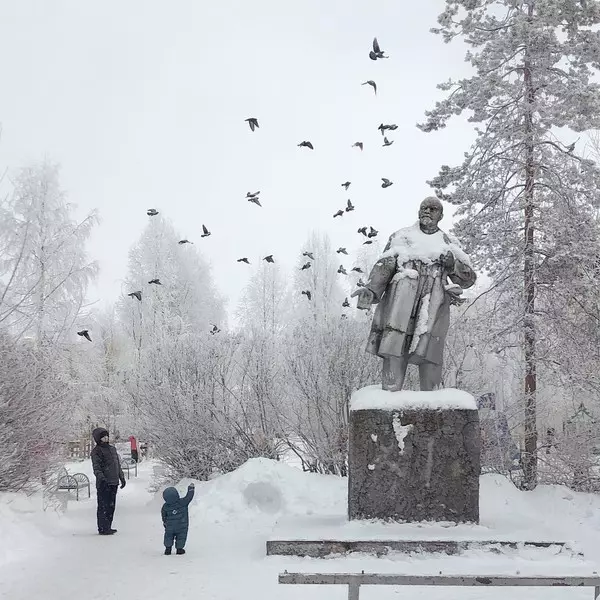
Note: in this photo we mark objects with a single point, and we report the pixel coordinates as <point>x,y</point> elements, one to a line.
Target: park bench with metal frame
<point>68,482</point>
<point>127,464</point>
<point>354,581</point>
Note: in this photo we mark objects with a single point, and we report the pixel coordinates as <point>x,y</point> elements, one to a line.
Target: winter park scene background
<point>191,192</point>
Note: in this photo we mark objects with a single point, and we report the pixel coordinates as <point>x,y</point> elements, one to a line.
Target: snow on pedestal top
<point>373,397</point>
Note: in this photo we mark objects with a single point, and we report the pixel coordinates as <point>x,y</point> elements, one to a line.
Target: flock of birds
<point>254,197</point>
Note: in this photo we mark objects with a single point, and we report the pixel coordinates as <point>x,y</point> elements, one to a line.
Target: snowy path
<point>225,559</point>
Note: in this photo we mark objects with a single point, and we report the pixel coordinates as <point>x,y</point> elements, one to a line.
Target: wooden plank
<point>322,548</point>
<point>435,580</point>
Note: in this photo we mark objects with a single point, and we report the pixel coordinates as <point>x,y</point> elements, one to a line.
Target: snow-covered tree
<point>524,189</point>
<point>44,268</point>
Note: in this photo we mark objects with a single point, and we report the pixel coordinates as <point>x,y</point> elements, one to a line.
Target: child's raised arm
<point>190,494</point>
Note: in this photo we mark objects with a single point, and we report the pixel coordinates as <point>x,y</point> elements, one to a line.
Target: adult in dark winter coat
<point>108,472</point>
<point>175,518</point>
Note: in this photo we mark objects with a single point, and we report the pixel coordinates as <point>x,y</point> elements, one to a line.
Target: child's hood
<point>171,495</point>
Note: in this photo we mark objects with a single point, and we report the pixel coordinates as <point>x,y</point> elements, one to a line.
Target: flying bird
<point>253,122</point>
<point>571,148</point>
<point>357,269</point>
<point>151,212</point>
<point>360,283</point>
<point>269,258</point>
<point>255,200</point>
<point>345,303</point>
<point>383,128</point>
<point>309,254</point>
<point>244,260</point>
<point>346,185</point>
<point>205,231</point>
<point>342,251</point>
<point>372,232</point>
<point>344,316</point>
<point>214,330</point>
<point>184,242</point>
<point>372,84</point>
<point>137,295</point>
<point>387,142</point>
<point>367,242</point>
<point>155,281</point>
<point>350,206</point>
<point>342,270</point>
<point>386,183</point>
<point>339,213</point>
<point>305,266</point>
<point>363,230</point>
<point>85,333</point>
<point>307,294</point>
<point>358,145</point>
<point>377,52</point>
<point>306,145</point>
<point>252,194</point>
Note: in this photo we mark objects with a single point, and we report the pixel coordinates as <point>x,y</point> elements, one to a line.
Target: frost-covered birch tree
<point>524,189</point>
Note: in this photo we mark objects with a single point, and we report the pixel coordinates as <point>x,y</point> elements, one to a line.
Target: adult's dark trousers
<point>107,498</point>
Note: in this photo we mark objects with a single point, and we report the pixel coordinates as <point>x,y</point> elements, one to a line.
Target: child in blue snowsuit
<point>175,518</point>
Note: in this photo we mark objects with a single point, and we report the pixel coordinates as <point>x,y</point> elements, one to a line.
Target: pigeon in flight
<point>155,282</point>
<point>253,122</point>
<point>363,230</point>
<point>306,145</point>
<point>350,206</point>
<point>386,183</point>
<point>85,333</point>
<point>346,185</point>
<point>305,266</point>
<point>372,84</point>
<point>367,242</point>
<point>307,294</point>
<point>309,254</point>
<point>345,303</point>
<point>342,251</point>
<point>339,213</point>
<point>252,194</point>
<point>342,270</point>
<point>255,200</point>
<point>244,260</point>
<point>184,242</point>
<point>372,232</point>
<point>205,232</point>
<point>383,128</point>
<point>357,269</point>
<point>214,330</point>
<point>571,148</point>
<point>137,295</point>
<point>151,212</point>
<point>358,145</point>
<point>269,258</point>
<point>377,52</point>
<point>387,142</point>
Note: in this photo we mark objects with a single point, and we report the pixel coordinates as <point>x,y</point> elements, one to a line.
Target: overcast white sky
<point>143,104</point>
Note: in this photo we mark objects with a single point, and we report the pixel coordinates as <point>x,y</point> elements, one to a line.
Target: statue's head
<point>431,212</point>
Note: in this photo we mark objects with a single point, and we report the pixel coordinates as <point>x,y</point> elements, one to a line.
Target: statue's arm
<point>380,276</point>
<point>462,274</point>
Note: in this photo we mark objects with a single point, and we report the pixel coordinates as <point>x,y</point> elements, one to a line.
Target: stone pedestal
<point>414,463</point>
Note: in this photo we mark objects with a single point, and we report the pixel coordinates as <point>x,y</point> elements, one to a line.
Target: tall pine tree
<point>523,189</point>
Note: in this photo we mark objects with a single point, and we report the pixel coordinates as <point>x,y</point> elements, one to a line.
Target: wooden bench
<point>127,464</point>
<point>355,580</point>
<point>77,481</point>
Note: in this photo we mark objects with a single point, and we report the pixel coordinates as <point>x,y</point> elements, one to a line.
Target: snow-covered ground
<point>44,555</point>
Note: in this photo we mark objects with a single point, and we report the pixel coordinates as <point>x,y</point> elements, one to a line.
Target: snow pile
<point>267,488</point>
<point>372,397</point>
<point>410,243</point>
<point>20,536</point>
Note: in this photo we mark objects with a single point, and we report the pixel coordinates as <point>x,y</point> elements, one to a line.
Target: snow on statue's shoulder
<point>410,243</point>
<point>373,397</point>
